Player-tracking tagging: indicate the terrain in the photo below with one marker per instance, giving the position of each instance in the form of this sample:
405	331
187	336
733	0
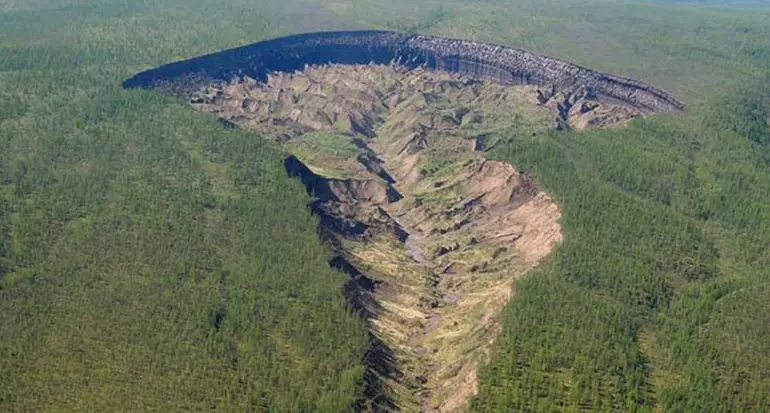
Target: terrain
432	233
153	260
502	64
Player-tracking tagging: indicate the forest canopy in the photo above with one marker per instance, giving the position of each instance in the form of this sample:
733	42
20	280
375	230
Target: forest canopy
151	260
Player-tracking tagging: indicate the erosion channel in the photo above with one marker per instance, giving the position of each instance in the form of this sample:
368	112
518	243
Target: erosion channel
432	233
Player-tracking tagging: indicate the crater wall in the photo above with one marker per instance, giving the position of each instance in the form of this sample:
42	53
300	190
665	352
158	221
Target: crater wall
502	64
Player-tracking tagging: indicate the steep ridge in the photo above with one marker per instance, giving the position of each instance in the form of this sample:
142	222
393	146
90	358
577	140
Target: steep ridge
502	64
432	233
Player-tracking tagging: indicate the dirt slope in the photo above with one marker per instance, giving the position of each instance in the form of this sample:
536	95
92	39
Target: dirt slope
432	233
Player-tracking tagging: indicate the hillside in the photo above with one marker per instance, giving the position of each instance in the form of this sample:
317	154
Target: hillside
431	232
389	131
154	260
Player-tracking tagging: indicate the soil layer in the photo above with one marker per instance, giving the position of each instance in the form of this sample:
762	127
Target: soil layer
432	233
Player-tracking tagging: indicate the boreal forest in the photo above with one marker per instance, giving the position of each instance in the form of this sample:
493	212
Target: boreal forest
172	252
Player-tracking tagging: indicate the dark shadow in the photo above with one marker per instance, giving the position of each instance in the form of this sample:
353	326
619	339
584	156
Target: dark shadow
381	364
380	361
227	124
358	291
316	186
481	143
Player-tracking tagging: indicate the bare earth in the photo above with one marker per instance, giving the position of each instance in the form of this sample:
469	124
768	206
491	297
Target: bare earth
434	233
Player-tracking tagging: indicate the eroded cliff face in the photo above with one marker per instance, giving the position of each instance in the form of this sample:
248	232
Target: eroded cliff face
388	132
502	64
432	233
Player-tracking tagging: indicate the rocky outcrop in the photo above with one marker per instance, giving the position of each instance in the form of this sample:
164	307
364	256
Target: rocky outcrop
502	64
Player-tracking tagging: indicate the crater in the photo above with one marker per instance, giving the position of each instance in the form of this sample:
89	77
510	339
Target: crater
388	132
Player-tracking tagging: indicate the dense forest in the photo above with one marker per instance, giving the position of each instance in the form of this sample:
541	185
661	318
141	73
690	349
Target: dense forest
658	296
151	260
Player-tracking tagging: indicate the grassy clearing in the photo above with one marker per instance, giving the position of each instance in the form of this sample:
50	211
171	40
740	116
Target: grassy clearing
331	155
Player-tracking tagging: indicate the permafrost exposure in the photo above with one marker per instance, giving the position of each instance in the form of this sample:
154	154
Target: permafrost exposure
481	60
388	133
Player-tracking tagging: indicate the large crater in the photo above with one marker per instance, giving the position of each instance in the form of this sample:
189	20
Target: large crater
388	132
502	64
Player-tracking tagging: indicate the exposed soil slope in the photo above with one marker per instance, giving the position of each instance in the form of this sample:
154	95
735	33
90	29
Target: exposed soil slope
506	65
433	233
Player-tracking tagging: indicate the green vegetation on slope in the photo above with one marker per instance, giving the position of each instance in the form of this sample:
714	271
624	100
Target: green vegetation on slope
151	261
658	296
329	154
154	261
